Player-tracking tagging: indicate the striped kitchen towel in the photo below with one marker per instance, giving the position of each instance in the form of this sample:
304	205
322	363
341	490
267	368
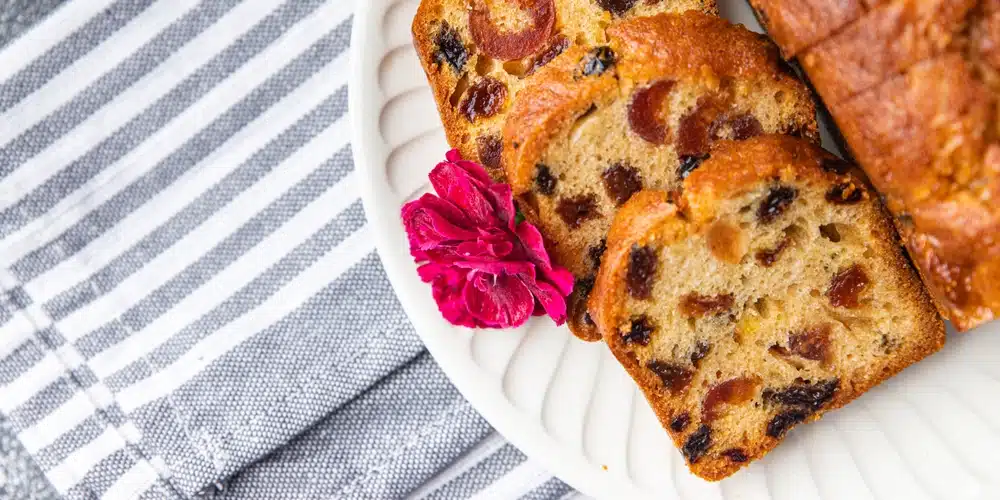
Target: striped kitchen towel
189	300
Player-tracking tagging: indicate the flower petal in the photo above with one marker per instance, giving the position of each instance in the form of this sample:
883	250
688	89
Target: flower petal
560	278
534	245
467	193
551	301
499	301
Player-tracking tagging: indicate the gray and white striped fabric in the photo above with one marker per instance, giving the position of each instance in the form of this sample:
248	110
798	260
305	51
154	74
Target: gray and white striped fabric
189	302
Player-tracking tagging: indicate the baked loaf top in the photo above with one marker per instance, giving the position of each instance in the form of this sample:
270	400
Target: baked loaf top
478	54
579	142
772	291
914	87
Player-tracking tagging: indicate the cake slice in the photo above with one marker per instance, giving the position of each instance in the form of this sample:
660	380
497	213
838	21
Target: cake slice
772	291
479	53
599	124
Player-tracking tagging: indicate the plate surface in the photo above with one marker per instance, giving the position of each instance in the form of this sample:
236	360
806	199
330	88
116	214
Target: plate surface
932	432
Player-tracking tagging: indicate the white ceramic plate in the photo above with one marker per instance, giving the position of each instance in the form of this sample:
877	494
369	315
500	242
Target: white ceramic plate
932	432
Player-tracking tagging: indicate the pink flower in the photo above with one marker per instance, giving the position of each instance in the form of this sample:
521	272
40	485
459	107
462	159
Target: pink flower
486	270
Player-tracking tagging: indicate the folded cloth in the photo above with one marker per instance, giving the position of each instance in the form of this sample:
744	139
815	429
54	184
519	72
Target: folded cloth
189	299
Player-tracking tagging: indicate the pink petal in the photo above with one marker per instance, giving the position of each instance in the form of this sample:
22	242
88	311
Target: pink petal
474	169
534	245
431	221
503	203
551	300
467	193
484	250
499	301
560	278
510	268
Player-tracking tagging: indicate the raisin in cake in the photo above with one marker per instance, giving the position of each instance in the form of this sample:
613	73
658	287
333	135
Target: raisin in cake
478	53
772	291
600	124
914	86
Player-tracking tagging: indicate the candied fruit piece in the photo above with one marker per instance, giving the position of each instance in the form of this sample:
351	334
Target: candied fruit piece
694	129
700	351
597	252
598	61
727	242
508	46
783	421
490	151
450	48
544	181
641	272
639	331
485	98
694	305
617	7
777	201
812	343
847	193
846	287
736	455
578	209
689	164
745	127
808	397
680	422
644	112
621	181
767	258
734	392
697	444
674	376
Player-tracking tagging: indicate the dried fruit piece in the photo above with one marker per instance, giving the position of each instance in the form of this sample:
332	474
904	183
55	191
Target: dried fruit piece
617	7
812	343
641	272
578	209
727	242
695	305
835	165
780	424
598	61
544	181
846	287
557	45
734	392
450	48
693	131
508	46
689	164
674	376
767	258
639	331
736	455
846	193
490	149
700	351
596	252
809	397
680	422
745	126
645	116
621	182
697	444
776	203
484	99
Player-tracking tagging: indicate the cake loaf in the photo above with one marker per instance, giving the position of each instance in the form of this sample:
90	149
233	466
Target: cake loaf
772	290
478	54
913	86
599	124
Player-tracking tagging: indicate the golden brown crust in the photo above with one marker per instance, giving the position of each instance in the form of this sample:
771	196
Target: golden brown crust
734	167
798	24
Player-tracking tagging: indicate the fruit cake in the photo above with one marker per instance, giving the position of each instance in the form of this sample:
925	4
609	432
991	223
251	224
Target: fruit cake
479	53
601	123
914	87
771	290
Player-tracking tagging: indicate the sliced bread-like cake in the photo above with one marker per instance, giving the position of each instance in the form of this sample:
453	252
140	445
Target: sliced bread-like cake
599	124
479	53
772	291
